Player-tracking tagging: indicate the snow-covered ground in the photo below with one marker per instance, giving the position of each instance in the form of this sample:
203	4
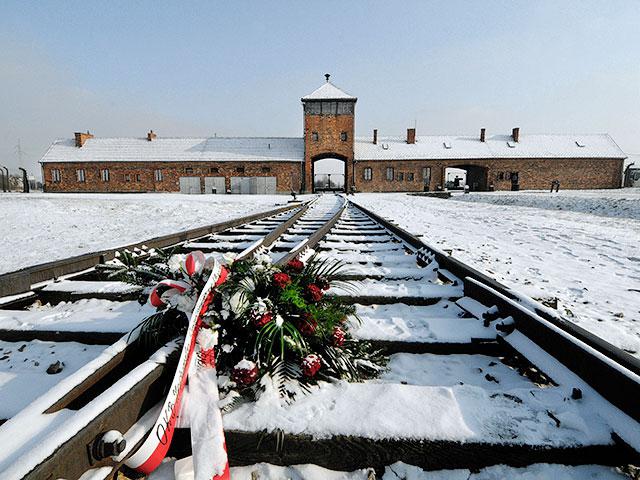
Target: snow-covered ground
622	203
41	227
183	470
590	262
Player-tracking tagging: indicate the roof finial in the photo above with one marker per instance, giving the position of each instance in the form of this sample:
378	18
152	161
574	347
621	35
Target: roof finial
327	75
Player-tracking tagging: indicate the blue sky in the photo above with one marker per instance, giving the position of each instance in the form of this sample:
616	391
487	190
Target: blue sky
240	68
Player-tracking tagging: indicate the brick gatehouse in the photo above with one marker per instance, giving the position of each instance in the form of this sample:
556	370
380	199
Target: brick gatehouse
371	164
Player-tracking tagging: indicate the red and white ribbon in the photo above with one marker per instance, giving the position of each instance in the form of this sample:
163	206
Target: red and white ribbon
194	263
147	458
165	289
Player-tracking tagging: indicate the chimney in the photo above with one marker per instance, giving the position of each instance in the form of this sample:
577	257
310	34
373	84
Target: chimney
411	135
375	136
515	133
151	135
82	137
482	134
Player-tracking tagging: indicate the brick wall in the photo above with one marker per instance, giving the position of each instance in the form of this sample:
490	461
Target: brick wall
142	177
329	129
534	174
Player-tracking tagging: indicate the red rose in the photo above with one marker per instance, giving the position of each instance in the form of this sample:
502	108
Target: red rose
310	365
314	292
295	265
245	373
281	279
337	337
307	325
262	320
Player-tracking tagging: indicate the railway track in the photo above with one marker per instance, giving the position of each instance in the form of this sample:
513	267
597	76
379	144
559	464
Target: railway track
478	375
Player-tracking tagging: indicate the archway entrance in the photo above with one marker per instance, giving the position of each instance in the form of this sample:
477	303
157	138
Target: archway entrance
456	177
329	174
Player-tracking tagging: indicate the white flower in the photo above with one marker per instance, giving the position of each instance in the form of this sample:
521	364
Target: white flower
238	302
260	306
207	338
229	257
224	314
263	258
279	320
175	262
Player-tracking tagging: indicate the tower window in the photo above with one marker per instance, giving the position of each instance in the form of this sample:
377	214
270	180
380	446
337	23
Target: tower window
390	174
314	136
367	174
343	136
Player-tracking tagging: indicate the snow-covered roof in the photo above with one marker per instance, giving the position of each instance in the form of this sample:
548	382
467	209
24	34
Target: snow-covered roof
328	91
171	149
496	146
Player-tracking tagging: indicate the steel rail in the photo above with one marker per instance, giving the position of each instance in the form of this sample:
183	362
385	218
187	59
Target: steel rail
615	377
73	456
20	281
616	381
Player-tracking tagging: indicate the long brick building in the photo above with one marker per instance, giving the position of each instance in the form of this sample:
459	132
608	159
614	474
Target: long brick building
371	164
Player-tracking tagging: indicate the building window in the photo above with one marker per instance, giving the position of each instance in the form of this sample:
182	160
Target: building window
80	175
239	169
314	136
343	136
500	176
266	169
400	176
104	174
390	174
157	174
127	177
410	177
188	170
426	175
55	175
368	174
137	177
214	170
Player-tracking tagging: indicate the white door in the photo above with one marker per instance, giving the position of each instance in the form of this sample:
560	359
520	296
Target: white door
214	185
270	185
190	185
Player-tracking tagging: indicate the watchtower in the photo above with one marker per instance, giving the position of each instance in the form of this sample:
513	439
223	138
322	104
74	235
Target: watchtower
329	129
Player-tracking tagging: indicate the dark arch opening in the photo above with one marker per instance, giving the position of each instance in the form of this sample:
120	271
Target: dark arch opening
329	172
474	175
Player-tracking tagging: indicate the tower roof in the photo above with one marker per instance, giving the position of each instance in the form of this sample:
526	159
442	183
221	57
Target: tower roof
328	91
